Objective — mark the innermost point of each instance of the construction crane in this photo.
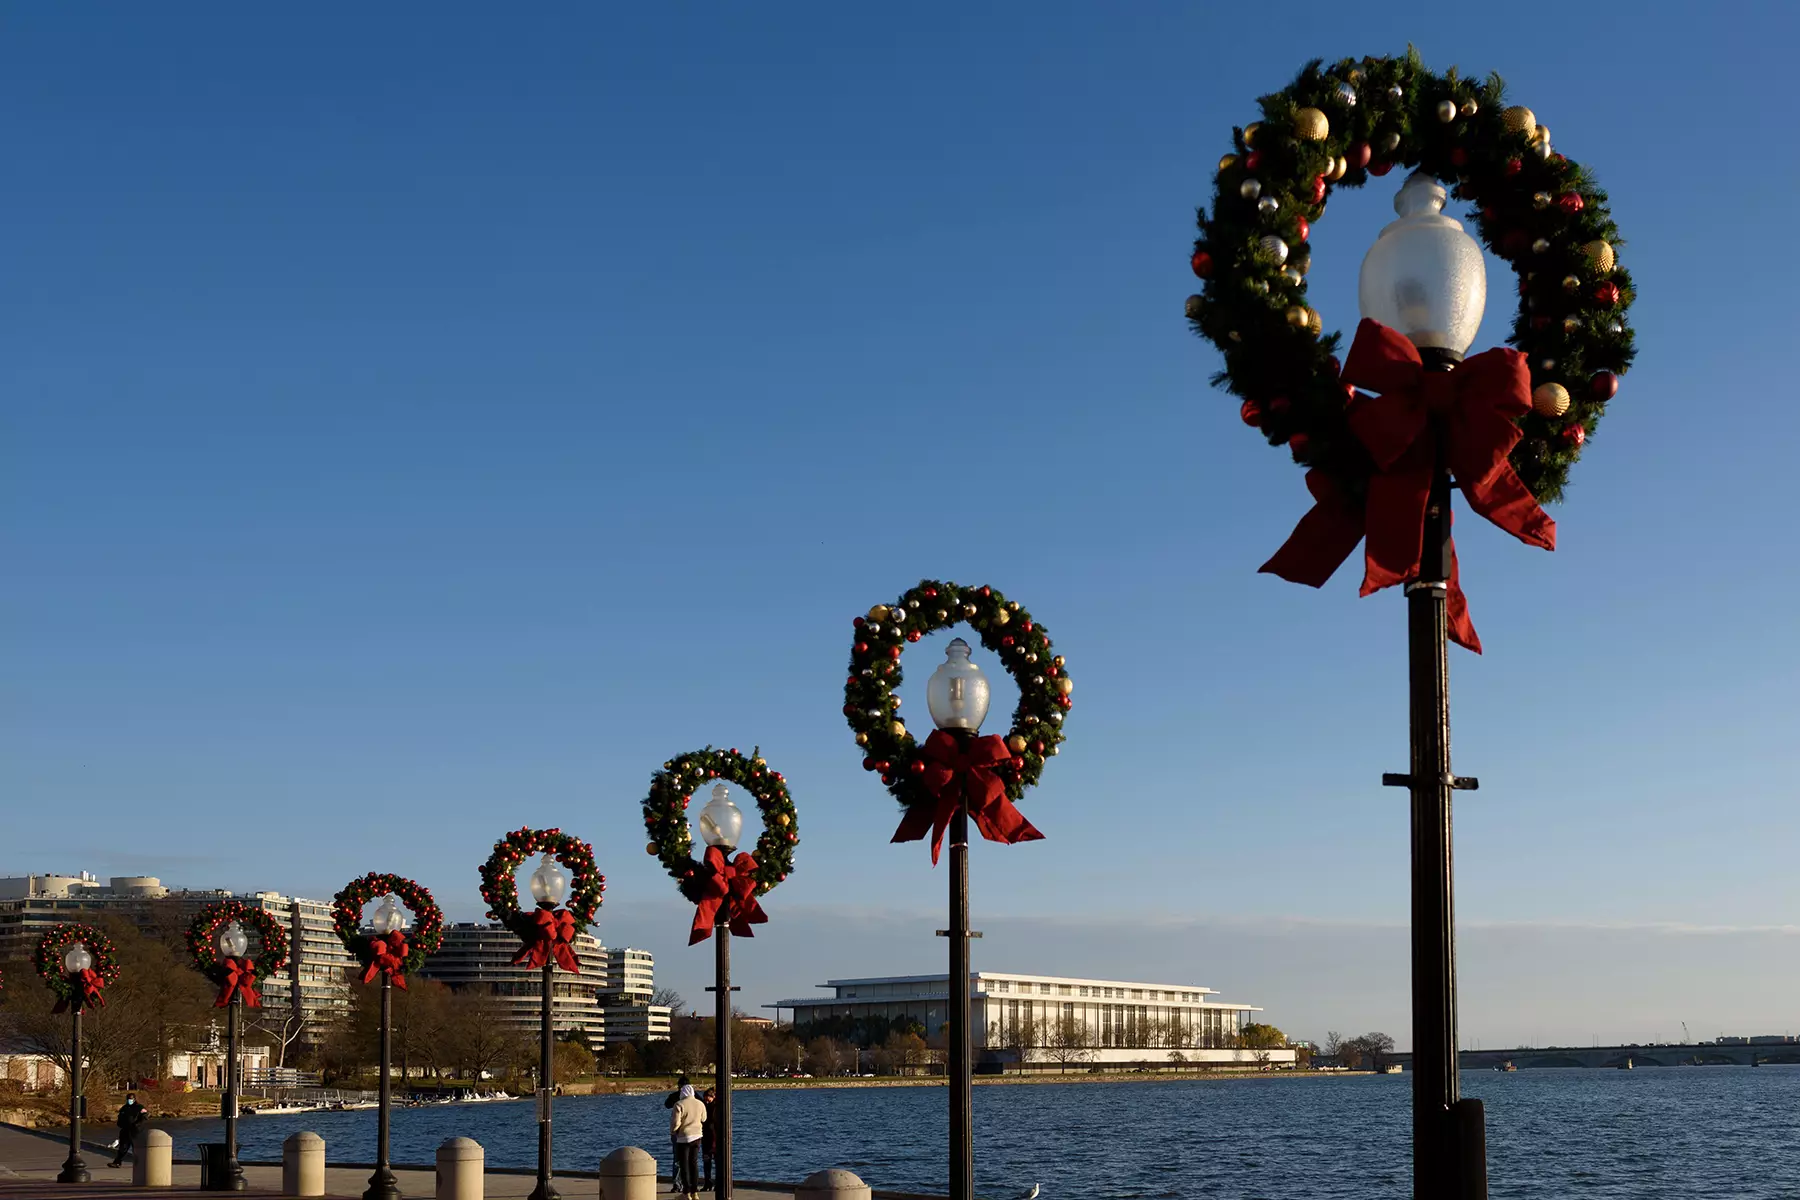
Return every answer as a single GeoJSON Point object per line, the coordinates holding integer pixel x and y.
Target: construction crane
{"type": "Point", "coordinates": [1686, 1037]}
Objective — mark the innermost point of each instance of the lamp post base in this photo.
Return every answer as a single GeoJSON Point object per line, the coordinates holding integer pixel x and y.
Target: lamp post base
{"type": "Point", "coordinates": [544, 1191]}
{"type": "Point", "coordinates": [382, 1186]}
{"type": "Point", "coordinates": [74, 1170]}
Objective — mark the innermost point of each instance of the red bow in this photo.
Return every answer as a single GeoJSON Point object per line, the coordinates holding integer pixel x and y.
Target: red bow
{"type": "Point", "coordinates": [1473, 408]}
{"type": "Point", "coordinates": [240, 980]}
{"type": "Point", "coordinates": [555, 930]}
{"type": "Point", "coordinates": [730, 898]}
{"type": "Point", "coordinates": [390, 952]}
{"type": "Point", "coordinates": [86, 985]}
{"type": "Point", "coordinates": [953, 771]}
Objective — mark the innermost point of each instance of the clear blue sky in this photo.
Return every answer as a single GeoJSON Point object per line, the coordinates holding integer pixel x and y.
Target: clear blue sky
{"type": "Point", "coordinates": [423, 421]}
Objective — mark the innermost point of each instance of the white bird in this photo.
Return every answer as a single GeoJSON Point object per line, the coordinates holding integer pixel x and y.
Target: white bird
{"type": "Point", "coordinates": [1032, 1194]}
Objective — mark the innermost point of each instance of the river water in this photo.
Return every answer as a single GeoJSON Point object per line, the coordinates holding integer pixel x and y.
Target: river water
{"type": "Point", "coordinates": [1687, 1132]}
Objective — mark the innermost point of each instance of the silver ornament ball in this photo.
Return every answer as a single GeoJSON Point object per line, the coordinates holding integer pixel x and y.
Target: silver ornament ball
{"type": "Point", "coordinates": [1396, 92]}
{"type": "Point", "coordinates": [1276, 248]}
{"type": "Point", "coordinates": [1292, 275]}
{"type": "Point", "coordinates": [1446, 111]}
{"type": "Point", "coordinates": [1346, 95]}
{"type": "Point", "coordinates": [1250, 189]}
{"type": "Point", "coordinates": [1267, 205]}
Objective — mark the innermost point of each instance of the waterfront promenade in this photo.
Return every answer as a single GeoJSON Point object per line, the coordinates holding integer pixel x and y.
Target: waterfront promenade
{"type": "Point", "coordinates": [29, 1162]}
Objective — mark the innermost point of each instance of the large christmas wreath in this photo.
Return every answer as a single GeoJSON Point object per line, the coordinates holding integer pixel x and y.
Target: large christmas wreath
{"type": "Point", "coordinates": [546, 933]}
{"type": "Point", "coordinates": [236, 976]}
{"type": "Point", "coordinates": [873, 710]}
{"type": "Point", "coordinates": [392, 954]}
{"type": "Point", "coordinates": [1336, 126]}
{"type": "Point", "coordinates": [82, 988]}
{"type": "Point", "coordinates": [722, 888]}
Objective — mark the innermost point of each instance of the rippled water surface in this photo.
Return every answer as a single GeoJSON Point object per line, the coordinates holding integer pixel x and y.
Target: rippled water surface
{"type": "Point", "coordinates": [1727, 1132]}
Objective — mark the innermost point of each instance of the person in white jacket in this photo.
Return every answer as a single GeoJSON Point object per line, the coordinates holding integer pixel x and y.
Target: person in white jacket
{"type": "Point", "coordinates": [687, 1121]}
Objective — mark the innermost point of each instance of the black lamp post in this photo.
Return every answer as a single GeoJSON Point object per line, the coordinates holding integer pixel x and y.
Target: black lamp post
{"type": "Point", "coordinates": [233, 943]}
{"type": "Point", "coordinates": [75, 960]}
{"type": "Point", "coordinates": [388, 918]}
{"type": "Point", "coordinates": [721, 825]}
{"type": "Point", "coordinates": [957, 695]}
{"type": "Point", "coordinates": [1424, 277]}
{"type": "Point", "coordinates": [549, 884]}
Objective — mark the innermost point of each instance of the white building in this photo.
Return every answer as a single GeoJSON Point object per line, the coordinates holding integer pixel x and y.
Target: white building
{"type": "Point", "coordinates": [1022, 1018]}
{"type": "Point", "coordinates": [315, 985]}
{"type": "Point", "coordinates": [607, 1003]}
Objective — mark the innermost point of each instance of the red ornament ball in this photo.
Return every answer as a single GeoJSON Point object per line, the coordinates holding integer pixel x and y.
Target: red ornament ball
{"type": "Point", "coordinates": [1571, 202]}
{"type": "Point", "coordinates": [1514, 165]}
{"type": "Point", "coordinates": [1298, 444]}
{"type": "Point", "coordinates": [1301, 229]}
{"type": "Point", "coordinates": [1359, 155]}
{"type": "Point", "coordinates": [893, 652]}
{"type": "Point", "coordinates": [913, 635]}
{"type": "Point", "coordinates": [868, 764]}
{"type": "Point", "coordinates": [862, 647]}
{"type": "Point", "coordinates": [1607, 293]}
{"type": "Point", "coordinates": [859, 622]}
{"type": "Point", "coordinates": [1202, 262]}
{"type": "Point", "coordinates": [1575, 434]}
{"type": "Point", "coordinates": [1250, 412]}
{"type": "Point", "coordinates": [1604, 385]}
{"type": "Point", "coordinates": [916, 766]}
{"type": "Point", "coordinates": [1318, 189]}
{"type": "Point", "coordinates": [1380, 168]}
{"type": "Point", "coordinates": [1253, 161]}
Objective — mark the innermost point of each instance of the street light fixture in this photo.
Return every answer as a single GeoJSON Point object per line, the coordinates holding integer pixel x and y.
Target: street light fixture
{"type": "Point", "coordinates": [721, 823]}
{"type": "Point", "coordinates": [233, 943]}
{"type": "Point", "coordinates": [1425, 278]}
{"type": "Point", "coordinates": [549, 884]}
{"type": "Point", "coordinates": [74, 1170]}
{"type": "Point", "coordinates": [387, 918]}
{"type": "Point", "coordinates": [957, 696]}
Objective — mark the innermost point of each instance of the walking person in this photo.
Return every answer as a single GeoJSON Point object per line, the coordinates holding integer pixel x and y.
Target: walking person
{"type": "Point", "coordinates": [709, 1139]}
{"type": "Point", "coordinates": [687, 1120]}
{"type": "Point", "coordinates": [132, 1115]}
{"type": "Point", "coordinates": [675, 1147]}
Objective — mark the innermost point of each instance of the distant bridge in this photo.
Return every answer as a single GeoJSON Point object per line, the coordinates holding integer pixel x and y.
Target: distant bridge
{"type": "Point", "coordinates": [1617, 1056]}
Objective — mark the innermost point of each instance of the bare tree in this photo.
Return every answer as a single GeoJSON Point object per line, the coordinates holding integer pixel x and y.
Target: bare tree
{"type": "Point", "coordinates": [480, 1039]}
{"type": "Point", "coordinates": [1069, 1042]}
{"type": "Point", "coordinates": [669, 998]}
{"type": "Point", "coordinates": [1375, 1045]}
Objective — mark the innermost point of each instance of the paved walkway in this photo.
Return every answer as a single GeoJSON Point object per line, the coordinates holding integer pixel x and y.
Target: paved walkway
{"type": "Point", "coordinates": [29, 1162]}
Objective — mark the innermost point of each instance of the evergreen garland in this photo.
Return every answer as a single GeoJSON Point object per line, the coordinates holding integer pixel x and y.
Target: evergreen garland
{"type": "Point", "coordinates": [665, 814]}
{"type": "Point", "coordinates": [203, 937]}
{"type": "Point", "coordinates": [55, 943]}
{"type": "Point", "coordinates": [500, 887]}
{"type": "Point", "coordinates": [422, 940]}
{"type": "Point", "coordinates": [1541, 212]}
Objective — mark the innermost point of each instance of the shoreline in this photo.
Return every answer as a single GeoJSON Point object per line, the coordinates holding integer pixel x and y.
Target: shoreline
{"type": "Point", "coordinates": [644, 1088]}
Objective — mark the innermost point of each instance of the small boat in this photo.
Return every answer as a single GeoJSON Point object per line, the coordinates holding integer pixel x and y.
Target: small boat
{"type": "Point", "coordinates": [1506, 1066]}
{"type": "Point", "coordinates": [1626, 1065]}
{"type": "Point", "coordinates": [1390, 1069]}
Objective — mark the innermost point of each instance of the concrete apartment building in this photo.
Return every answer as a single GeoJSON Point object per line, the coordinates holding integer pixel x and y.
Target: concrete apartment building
{"type": "Point", "coordinates": [608, 1002]}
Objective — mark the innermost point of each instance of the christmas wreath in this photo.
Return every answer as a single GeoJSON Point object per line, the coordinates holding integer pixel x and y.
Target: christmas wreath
{"type": "Point", "coordinates": [547, 933]}
{"type": "Point", "coordinates": [236, 976]}
{"type": "Point", "coordinates": [1542, 212]}
{"type": "Point", "coordinates": [928, 779]}
{"type": "Point", "coordinates": [79, 988]}
{"type": "Point", "coordinates": [392, 954]}
{"type": "Point", "coordinates": [718, 886]}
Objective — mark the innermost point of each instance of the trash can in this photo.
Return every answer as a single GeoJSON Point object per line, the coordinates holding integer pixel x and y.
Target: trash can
{"type": "Point", "coordinates": [214, 1166]}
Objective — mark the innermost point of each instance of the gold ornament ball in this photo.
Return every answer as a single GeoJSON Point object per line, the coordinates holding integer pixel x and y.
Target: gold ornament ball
{"type": "Point", "coordinates": [1550, 399]}
{"type": "Point", "coordinates": [1311, 125]}
{"type": "Point", "coordinates": [1016, 743]}
{"type": "Point", "coordinates": [1571, 324]}
{"type": "Point", "coordinates": [1065, 685]}
{"type": "Point", "coordinates": [862, 739]}
{"type": "Point", "coordinates": [1250, 132]}
{"type": "Point", "coordinates": [1227, 161]}
{"type": "Point", "coordinates": [781, 819]}
{"type": "Point", "coordinates": [1194, 306]}
{"type": "Point", "coordinates": [1299, 316]}
{"type": "Point", "coordinates": [1058, 660]}
{"type": "Point", "coordinates": [1469, 108]}
{"type": "Point", "coordinates": [1519, 119]}
{"type": "Point", "coordinates": [1315, 322]}
{"type": "Point", "coordinates": [650, 849]}
{"type": "Point", "coordinates": [898, 729]}
{"type": "Point", "coordinates": [1571, 283]}
{"type": "Point", "coordinates": [1001, 616]}
{"type": "Point", "coordinates": [1540, 199]}
{"type": "Point", "coordinates": [1600, 257]}
{"type": "Point", "coordinates": [1446, 111]}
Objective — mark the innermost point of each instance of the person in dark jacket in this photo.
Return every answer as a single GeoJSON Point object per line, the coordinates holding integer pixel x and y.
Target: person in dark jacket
{"type": "Point", "coordinates": [709, 1139]}
{"type": "Point", "coordinates": [132, 1116]}
{"type": "Point", "coordinates": [675, 1147]}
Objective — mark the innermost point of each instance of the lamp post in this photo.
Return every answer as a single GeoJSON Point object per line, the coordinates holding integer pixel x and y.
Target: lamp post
{"type": "Point", "coordinates": [387, 918]}
{"type": "Point", "coordinates": [549, 884]}
{"type": "Point", "coordinates": [233, 943]}
{"type": "Point", "coordinates": [957, 695]}
{"type": "Point", "coordinates": [721, 824]}
{"type": "Point", "coordinates": [1424, 277]}
{"type": "Point", "coordinates": [75, 960]}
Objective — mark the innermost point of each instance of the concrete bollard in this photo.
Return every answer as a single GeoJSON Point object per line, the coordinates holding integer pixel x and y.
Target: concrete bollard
{"type": "Point", "coordinates": [461, 1169]}
{"type": "Point", "coordinates": [628, 1173]}
{"type": "Point", "coordinates": [303, 1165]}
{"type": "Point", "coordinates": [152, 1159]}
{"type": "Point", "coordinates": [832, 1185]}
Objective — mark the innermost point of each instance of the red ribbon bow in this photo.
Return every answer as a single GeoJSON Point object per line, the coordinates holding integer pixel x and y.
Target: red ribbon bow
{"type": "Point", "coordinates": [1473, 408]}
{"type": "Point", "coordinates": [953, 771]}
{"type": "Point", "coordinates": [240, 980]}
{"type": "Point", "coordinates": [730, 898]}
{"type": "Point", "coordinates": [390, 952]}
{"type": "Point", "coordinates": [552, 938]}
{"type": "Point", "coordinates": [87, 985]}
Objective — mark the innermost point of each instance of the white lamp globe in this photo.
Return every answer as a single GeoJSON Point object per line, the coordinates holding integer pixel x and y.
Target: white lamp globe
{"type": "Point", "coordinates": [233, 942]}
{"type": "Point", "coordinates": [720, 822]}
{"type": "Point", "coordinates": [549, 883]}
{"type": "Point", "coordinates": [77, 959]}
{"type": "Point", "coordinates": [957, 693]}
{"type": "Point", "coordinates": [388, 916]}
{"type": "Point", "coordinates": [1424, 277]}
